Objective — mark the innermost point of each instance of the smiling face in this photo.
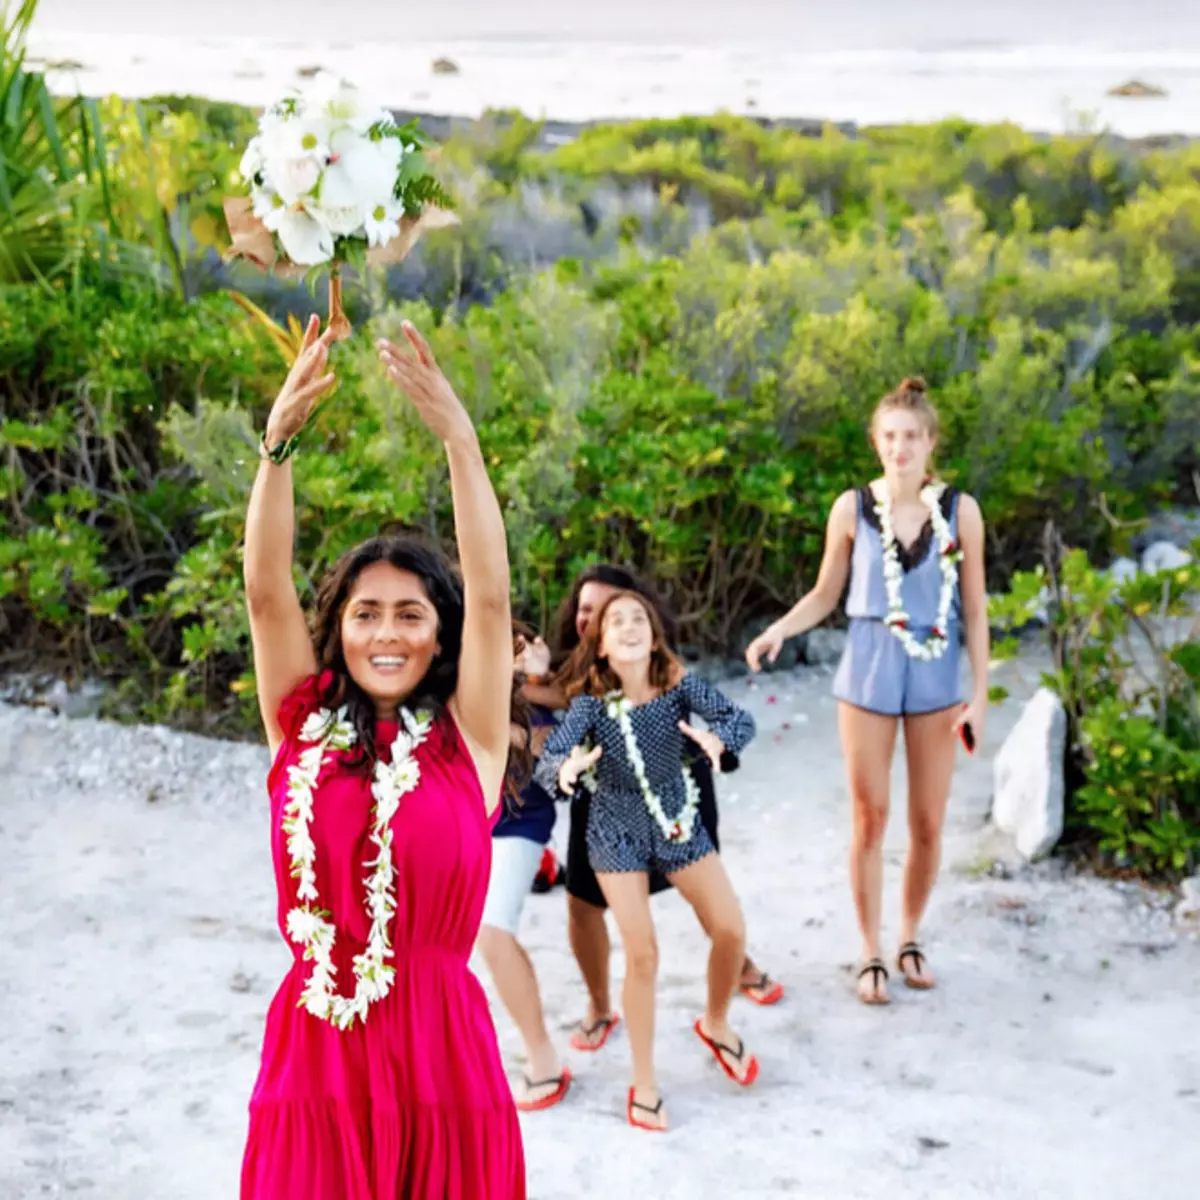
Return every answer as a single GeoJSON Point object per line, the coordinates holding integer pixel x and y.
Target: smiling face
{"type": "Point", "coordinates": [626, 635]}
{"type": "Point", "coordinates": [592, 598]}
{"type": "Point", "coordinates": [903, 443]}
{"type": "Point", "coordinates": [389, 634]}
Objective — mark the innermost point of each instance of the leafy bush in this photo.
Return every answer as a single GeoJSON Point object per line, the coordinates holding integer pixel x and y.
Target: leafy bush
{"type": "Point", "coordinates": [1127, 669]}
{"type": "Point", "coordinates": [97, 514]}
{"type": "Point", "coordinates": [671, 335]}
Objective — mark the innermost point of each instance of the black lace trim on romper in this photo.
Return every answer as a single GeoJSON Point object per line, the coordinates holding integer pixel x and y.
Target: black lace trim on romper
{"type": "Point", "coordinates": [908, 556]}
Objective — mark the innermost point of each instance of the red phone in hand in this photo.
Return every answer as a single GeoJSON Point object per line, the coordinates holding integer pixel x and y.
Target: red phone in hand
{"type": "Point", "coordinates": [967, 734]}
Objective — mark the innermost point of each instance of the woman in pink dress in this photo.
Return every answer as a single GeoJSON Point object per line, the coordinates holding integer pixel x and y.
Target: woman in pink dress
{"type": "Point", "coordinates": [389, 726]}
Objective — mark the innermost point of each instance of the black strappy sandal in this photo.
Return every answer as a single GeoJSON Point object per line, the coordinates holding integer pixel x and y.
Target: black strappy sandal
{"type": "Point", "coordinates": [653, 1110]}
{"type": "Point", "coordinates": [875, 969]}
{"type": "Point", "coordinates": [913, 951]}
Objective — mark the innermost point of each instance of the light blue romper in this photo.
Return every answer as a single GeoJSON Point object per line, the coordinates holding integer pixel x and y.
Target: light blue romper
{"type": "Point", "coordinates": [876, 672]}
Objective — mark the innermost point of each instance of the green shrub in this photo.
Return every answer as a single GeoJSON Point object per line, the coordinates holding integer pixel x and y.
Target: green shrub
{"type": "Point", "coordinates": [687, 392]}
{"type": "Point", "coordinates": [1127, 669]}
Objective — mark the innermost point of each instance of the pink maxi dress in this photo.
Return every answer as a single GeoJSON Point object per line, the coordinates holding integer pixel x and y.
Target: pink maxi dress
{"type": "Point", "coordinates": [413, 1102]}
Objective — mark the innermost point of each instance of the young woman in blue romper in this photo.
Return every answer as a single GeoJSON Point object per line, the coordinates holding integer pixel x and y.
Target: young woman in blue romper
{"type": "Point", "coordinates": [900, 665]}
{"type": "Point", "coordinates": [628, 724]}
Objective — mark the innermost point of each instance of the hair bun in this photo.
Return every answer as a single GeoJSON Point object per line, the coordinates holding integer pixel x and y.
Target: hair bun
{"type": "Point", "coordinates": [913, 383]}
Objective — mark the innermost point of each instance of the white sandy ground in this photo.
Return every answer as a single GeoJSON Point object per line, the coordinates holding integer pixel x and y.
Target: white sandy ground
{"type": "Point", "coordinates": [1059, 1058]}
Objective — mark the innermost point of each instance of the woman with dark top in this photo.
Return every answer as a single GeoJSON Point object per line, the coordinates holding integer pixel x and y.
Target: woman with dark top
{"type": "Point", "coordinates": [586, 905]}
{"type": "Point", "coordinates": [518, 841]}
{"type": "Point", "coordinates": [390, 729]}
{"type": "Point", "coordinates": [627, 724]}
{"type": "Point", "coordinates": [912, 549]}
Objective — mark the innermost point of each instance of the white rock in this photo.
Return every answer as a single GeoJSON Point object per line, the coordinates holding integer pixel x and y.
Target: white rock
{"type": "Point", "coordinates": [1027, 802]}
{"type": "Point", "coordinates": [1122, 570]}
{"type": "Point", "coordinates": [1164, 556]}
{"type": "Point", "coordinates": [1187, 911]}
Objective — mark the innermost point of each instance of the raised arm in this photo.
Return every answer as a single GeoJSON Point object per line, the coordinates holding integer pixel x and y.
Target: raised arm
{"type": "Point", "coordinates": [482, 702]}
{"type": "Point", "coordinates": [283, 653]}
{"type": "Point", "coordinates": [815, 605]}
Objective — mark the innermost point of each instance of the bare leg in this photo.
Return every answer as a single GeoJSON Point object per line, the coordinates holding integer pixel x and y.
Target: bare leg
{"type": "Point", "coordinates": [588, 933]}
{"type": "Point", "coordinates": [929, 745]}
{"type": "Point", "coordinates": [513, 973]}
{"type": "Point", "coordinates": [868, 744]}
{"type": "Point", "coordinates": [628, 895]}
{"type": "Point", "coordinates": [751, 972]}
{"type": "Point", "coordinates": [706, 887]}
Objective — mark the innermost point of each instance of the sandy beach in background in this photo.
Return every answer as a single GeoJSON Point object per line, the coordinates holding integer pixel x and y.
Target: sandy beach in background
{"type": "Point", "coordinates": [1045, 67]}
{"type": "Point", "coordinates": [1057, 1059]}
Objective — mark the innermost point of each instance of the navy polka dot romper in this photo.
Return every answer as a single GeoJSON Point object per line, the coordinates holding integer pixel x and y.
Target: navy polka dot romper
{"type": "Point", "coordinates": [621, 834]}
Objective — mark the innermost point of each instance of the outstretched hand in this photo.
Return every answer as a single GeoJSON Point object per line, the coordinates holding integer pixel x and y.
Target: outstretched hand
{"type": "Point", "coordinates": [419, 377]}
{"type": "Point", "coordinates": [306, 383]}
{"type": "Point", "coordinates": [535, 658]}
{"type": "Point", "coordinates": [707, 741]}
{"type": "Point", "coordinates": [577, 762]}
{"type": "Point", "coordinates": [769, 643]}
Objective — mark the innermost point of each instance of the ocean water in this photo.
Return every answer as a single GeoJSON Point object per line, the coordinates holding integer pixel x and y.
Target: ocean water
{"type": "Point", "coordinates": [1044, 65]}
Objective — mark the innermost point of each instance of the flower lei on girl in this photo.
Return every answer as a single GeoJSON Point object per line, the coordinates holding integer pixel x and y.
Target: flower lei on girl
{"type": "Point", "coordinates": [949, 556]}
{"type": "Point", "coordinates": [675, 829]}
{"type": "Point", "coordinates": [307, 923]}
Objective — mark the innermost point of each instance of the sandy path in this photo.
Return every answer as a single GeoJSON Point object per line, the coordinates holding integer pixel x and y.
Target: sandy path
{"type": "Point", "coordinates": [1060, 1057]}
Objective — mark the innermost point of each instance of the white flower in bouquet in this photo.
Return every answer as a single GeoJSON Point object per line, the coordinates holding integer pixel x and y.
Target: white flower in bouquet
{"type": "Point", "coordinates": [332, 179]}
{"type": "Point", "coordinates": [357, 181]}
{"type": "Point", "coordinates": [341, 106]}
{"type": "Point", "coordinates": [294, 156]}
{"type": "Point", "coordinates": [253, 162]}
{"type": "Point", "coordinates": [305, 239]}
{"type": "Point", "coordinates": [328, 173]}
{"type": "Point", "coordinates": [383, 223]}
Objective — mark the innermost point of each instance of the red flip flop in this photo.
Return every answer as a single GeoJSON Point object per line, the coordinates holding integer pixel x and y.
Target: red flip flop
{"type": "Point", "coordinates": [773, 994]}
{"type": "Point", "coordinates": [583, 1032]}
{"type": "Point", "coordinates": [564, 1083]}
{"type": "Point", "coordinates": [633, 1120]}
{"type": "Point", "coordinates": [717, 1048]}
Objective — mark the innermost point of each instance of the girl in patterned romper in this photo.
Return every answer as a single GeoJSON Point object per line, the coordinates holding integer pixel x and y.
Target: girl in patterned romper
{"type": "Point", "coordinates": [626, 724]}
{"type": "Point", "coordinates": [912, 549]}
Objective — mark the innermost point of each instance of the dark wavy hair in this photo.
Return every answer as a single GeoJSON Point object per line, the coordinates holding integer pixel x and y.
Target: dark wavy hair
{"type": "Point", "coordinates": [588, 671]}
{"type": "Point", "coordinates": [444, 588]}
{"type": "Point", "coordinates": [565, 637]}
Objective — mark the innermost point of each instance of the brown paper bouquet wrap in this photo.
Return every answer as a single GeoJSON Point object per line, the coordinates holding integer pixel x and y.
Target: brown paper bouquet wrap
{"type": "Point", "coordinates": [253, 241]}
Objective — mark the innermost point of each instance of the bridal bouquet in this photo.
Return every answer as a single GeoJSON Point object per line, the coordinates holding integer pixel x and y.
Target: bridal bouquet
{"type": "Point", "coordinates": [333, 179]}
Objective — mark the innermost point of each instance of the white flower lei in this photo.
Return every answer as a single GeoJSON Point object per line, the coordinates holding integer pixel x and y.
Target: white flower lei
{"type": "Point", "coordinates": [949, 556]}
{"type": "Point", "coordinates": [307, 924]}
{"type": "Point", "coordinates": [675, 829]}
